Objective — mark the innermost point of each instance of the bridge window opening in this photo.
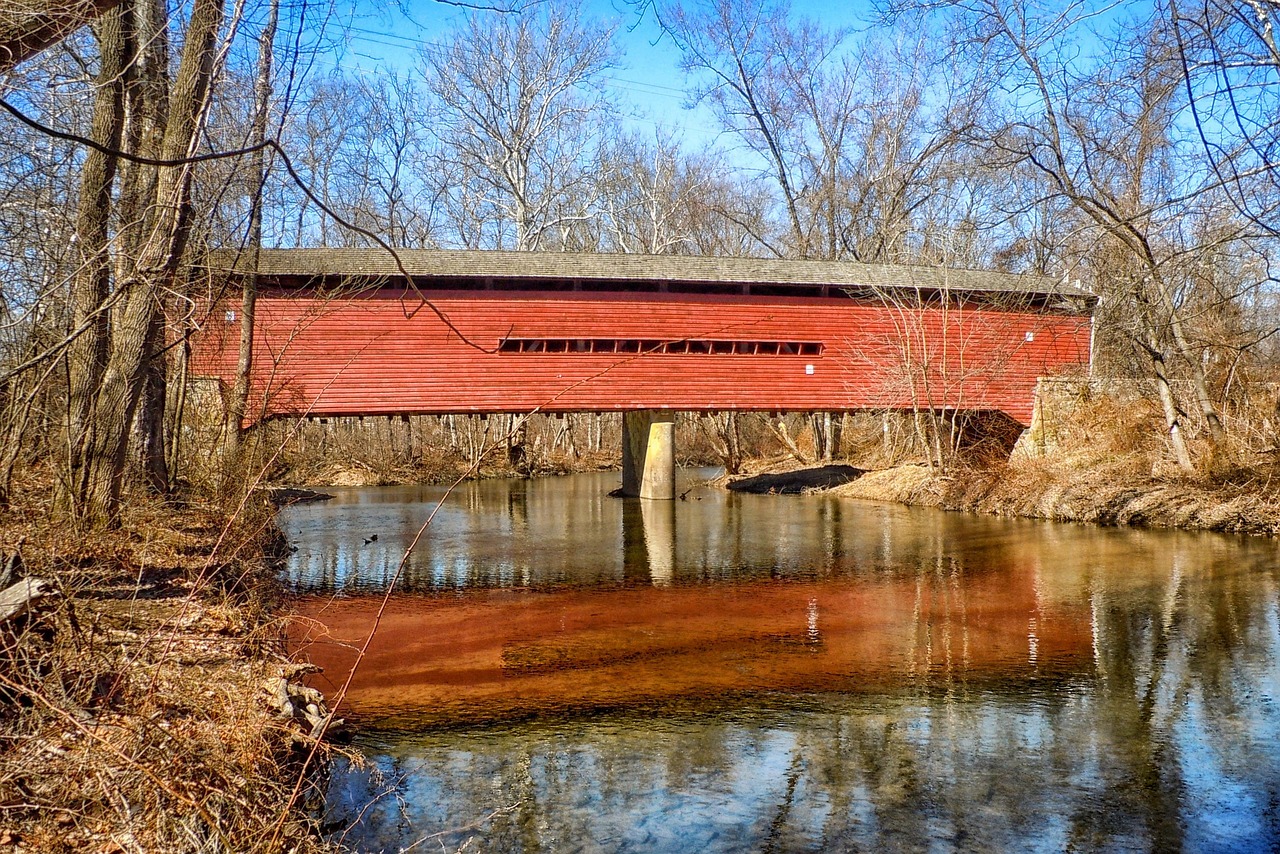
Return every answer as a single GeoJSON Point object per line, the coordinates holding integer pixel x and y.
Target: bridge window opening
{"type": "Point", "coordinates": [696, 347]}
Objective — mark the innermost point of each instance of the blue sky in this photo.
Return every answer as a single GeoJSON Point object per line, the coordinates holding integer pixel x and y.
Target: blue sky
{"type": "Point", "coordinates": [649, 80]}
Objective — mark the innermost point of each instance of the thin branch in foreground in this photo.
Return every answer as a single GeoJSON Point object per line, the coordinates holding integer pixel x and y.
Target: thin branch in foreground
{"type": "Point", "coordinates": [270, 145]}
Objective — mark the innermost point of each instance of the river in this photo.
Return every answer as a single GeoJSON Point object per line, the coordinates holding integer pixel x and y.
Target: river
{"type": "Point", "coordinates": [557, 670]}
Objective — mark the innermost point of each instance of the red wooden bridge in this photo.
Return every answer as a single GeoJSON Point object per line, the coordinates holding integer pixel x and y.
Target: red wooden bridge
{"type": "Point", "coordinates": [358, 332]}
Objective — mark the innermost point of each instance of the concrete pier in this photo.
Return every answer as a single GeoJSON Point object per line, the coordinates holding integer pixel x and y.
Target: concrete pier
{"type": "Point", "coordinates": [649, 455]}
{"type": "Point", "coordinates": [648, 542]}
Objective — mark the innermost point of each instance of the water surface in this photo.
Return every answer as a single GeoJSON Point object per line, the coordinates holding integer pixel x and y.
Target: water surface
{"type": "Point", "coordinates": [562, 671]}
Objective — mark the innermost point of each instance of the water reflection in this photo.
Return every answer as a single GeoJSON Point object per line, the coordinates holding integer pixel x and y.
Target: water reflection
{"type": "Point", "coordinates": [556, 532]}
{"type": "Point", "coordinates": [750, 673]}
{"type": "Point", "coordinates": [956, 773]}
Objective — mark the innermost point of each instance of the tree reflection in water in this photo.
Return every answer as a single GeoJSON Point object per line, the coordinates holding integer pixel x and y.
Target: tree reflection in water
{"type": "Point", "coordinates": [973, 684]}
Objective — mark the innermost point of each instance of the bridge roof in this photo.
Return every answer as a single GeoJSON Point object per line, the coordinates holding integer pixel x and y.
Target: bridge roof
{"type": "Point", "coordinates": [460, 266]}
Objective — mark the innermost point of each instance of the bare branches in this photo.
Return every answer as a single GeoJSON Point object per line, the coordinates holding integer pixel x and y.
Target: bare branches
{"type": "Point", "coordinates": [29, 26]}
{"type": "Point", "coordinates": [520, 110]}
{"type": "Point", "coordinates": [1230, 67]}
{"type": "Point", "coordinates": [732, 45]}
{"type": "Point", "coordinates": [269, 145]}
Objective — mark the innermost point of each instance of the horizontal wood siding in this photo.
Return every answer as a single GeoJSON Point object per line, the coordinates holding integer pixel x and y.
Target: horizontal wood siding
{"type": "Point", "coordinates": [385, 352]}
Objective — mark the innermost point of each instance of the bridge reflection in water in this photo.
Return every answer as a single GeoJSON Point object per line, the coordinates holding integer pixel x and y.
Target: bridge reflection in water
{"type": "Point", "coordinates": [756, 673]}
{"type": "Point", "coordinates": [658, 627]}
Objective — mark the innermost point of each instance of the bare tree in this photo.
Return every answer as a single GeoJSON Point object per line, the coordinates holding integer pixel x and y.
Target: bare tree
{"type": "Point", "coordinates": [648, 192]}
{"type": "Point", "coordinates": [1230, 58]}
{"type": "Point", "coordinates": [238, 398]}
{"type": "Point", "coordinates": [730, 49]}
{"type": "Point", "coordinates": [155, 221]}
{"type": "Point", "coordinates": [1104, 139]}
{"type": "Point", "coordinates": [887, 156]}
{"type": "Point", "coordinates": [518, 106]}
{"type": "Point", "coordinates": [382, 181]}
{"type": "Point", "coordinates": [936, 360]}
{"type": "Point", "coordinates": [86, 355]}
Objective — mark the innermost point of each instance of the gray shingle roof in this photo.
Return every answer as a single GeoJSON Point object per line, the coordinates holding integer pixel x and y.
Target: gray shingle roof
{"type": "Point", "coordinates": [427, 264]}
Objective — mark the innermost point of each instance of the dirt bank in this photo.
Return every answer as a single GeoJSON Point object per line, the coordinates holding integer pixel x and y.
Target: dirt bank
{"type": "Point", "coordinates": [1080, 496]}
{"type": "Point", "coordinates": [1097, 494]}
{"type": "Point", "coordinates": [1096, 452]}
{"type": "Point", "coordinates": [140, 700]}
{"type": "Point", "coordinates": [793, 480]}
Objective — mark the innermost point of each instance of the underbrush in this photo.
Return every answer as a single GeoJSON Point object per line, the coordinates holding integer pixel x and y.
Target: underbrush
{"type": "Point", "coordinates": [1108, 463]}
{"type": "Point", "coordinates": [385, 451]}
{"type": "Point", "coordinates": [136, 708]}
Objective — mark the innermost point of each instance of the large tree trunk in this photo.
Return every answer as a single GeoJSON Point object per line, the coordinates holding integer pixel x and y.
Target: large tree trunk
{"type": "Point", "coordinates": [87, 354]}
{"type": "Point", "coordinates": [152, 270]}
{"type": "Point", "coordinates": [147, 106]}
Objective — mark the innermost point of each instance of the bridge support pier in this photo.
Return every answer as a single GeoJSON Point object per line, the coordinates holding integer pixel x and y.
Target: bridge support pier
{"type": "Point", "coordinates": [649, 454]}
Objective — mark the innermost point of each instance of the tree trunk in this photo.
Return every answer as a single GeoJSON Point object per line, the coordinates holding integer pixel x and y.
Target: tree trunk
{"type": "Point", "coordinates": [87, 354]}
{"type": "Point", "coordinates": [177, 406]}
{"type": "Point", "coordinates": [823, 433]}
{"type": "Point", "coordinates": [149, 425]}
{"type": "Point", "coordinates": [1217, 432]}
{"type": "Point", "coordinates": [1169, 404]}
{"type": "Point", "coordinates": [780, 430]}
{"type": "Point", "coordinates": [259, 166]}
{"type": "Point", "coordinates": [152, 270]}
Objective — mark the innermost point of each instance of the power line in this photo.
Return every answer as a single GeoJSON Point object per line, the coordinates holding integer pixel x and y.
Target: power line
{"type": "Point", "coordinates": [379, 37]}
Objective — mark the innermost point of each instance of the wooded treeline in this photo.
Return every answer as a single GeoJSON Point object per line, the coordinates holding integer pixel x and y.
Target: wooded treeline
{"type": "Point", "coordinates": [1134, 149]}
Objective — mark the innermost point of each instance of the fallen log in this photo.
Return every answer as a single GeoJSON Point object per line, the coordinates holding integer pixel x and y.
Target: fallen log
{"type": "Point", "coordinates": [18, 599]}
{"type": "Point", "coordinates": [301, 704]}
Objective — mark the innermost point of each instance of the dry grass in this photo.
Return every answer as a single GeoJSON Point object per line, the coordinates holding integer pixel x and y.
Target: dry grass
{"type": "Point", "coordinates": [317, 455]}
{"type": "Point", "coordinates": [1109, 466]}
{"type": "Point", "coordinates": [133, 715]}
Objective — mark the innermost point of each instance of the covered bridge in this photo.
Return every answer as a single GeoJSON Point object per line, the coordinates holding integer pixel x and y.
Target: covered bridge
{"type": "Point", "coordinates": [360, 332]}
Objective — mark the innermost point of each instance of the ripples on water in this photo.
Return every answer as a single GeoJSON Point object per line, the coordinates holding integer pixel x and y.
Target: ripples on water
{"type": "Point", "coordinates": [563, 671]}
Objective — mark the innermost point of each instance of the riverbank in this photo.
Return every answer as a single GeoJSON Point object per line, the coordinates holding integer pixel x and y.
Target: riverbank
{"type": "Point", "coordinates": [1056, 489]}
{"type": "Point", "coordinates": [141, 694]}
{"type": "Point", "coordinates": [1095, 452]}
{"type": "Point", "coordinates": [1094, 495]}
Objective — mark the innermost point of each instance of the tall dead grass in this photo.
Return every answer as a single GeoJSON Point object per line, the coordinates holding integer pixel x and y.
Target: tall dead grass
{"type": "Point", "coordinates": [134, 714]}
{"type": "Point", "coordinates": [1104, 460]}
